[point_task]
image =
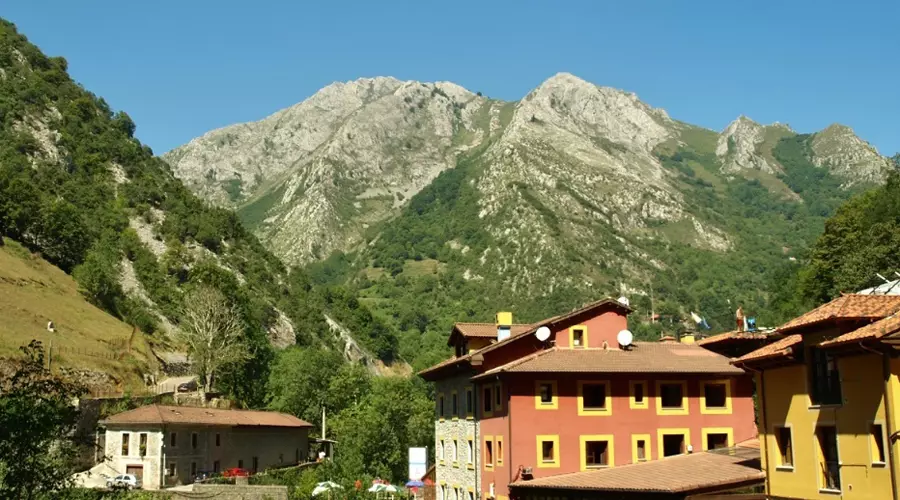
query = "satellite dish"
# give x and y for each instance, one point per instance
(624, 337)
(542, 333)
(624, 301)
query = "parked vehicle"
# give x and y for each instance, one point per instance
(129, 481)
(204, 475)
(235, 472)
(189, 386)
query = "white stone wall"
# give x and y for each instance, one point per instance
(151, 461)
(455, 431)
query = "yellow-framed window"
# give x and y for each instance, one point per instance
(715, 397)
(638, 397)
(594, 398)
(498, 397)
(498, 449)
(548, 451)
(470, 402)
(454, 405)
(546, 395)
(470, 452)
(488, 452)
(440, 406)
(597, 451)
(673, 441)
(442, 450)
(455, 453)
(578, 337)
(672, 397)
(877, 443)
(487, 401)
(715, 438)
(641, 448)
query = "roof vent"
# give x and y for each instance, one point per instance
(668, 338)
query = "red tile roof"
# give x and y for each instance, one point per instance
(776, 349)
(875, 330)
(734, 335)
(530, 330)
(644, 357)
(486, 330)
(736, 466)
(847, 307)
(159, 414)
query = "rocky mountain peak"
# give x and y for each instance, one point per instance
(738, 147)
(840, 150)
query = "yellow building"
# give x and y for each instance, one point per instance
(828, 401)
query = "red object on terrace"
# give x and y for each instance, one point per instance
(235, 472)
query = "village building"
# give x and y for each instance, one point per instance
(828, 392)
(169, 445)
(572, 393)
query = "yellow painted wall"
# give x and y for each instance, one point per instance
(786, 401)
(477, 343)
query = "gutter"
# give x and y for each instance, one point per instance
(765, 426)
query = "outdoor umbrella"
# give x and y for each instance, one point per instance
(415, 483)
(327, 486)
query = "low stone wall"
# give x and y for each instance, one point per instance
(234, 492)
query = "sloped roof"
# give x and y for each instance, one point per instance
(644, 357)
(851, 306)
(486, 330)
(776, 349)
(733, 335)
(875, 330)
(679, 474)
(160, 414)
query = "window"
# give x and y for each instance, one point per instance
(641, 450)
(488, 401)
(785, 446)
(830, 465)
(255, 464)
(441, 492)
(548, 451)
(638, 392)
(240, 464)
(471, 495)
(594, 396)
(441, 406)
(216, 466)
(498, 400)
(470, 452)
(126, 438)
(488, 451)
(441, 450)
(545, 397)
(715, 440)
(193, 469)
(596, 453)
(499, 451)
(173, 439)
(714, 395)
(877, 433)
(454, 452)
(825, 382)
(194, 440)
(470, 406)
(454, 404)
(671, 396)
(142, 446)
(578, 337)
(170, 469)
(673, 444)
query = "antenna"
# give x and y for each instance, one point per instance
(542, 333)
(625, 337)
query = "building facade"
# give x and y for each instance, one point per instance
(828, 391)
(577, 401)
(169, 445)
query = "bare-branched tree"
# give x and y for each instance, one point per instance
(212, 330)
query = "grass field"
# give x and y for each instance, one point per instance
(33, 292)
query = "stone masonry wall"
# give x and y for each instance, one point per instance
(457, 466)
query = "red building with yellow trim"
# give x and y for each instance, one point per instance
(515, 407)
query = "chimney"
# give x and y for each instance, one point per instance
(688, 338)
(504, 324)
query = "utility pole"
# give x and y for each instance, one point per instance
(323, 422)
(50, 357)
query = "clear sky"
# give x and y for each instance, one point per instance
(181, 68)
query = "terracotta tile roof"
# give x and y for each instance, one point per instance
(645, 357)
(776, 349)
(875, 330)
(734, 335)
(736, 466)
(486, 330)
(851, 306)
(530, 330)
(159, 414)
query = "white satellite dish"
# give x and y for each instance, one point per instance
(542, 333)
(624, 301)
(624, 337)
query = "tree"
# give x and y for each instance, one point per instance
(98, 275)
(299, 381)
(38, 442)
(212, 330)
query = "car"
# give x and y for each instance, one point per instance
(235, 472)
(189, 386)
(203, 475)
(129, 481)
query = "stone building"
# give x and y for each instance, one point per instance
(168, 445)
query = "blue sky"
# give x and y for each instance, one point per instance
(183, 68)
